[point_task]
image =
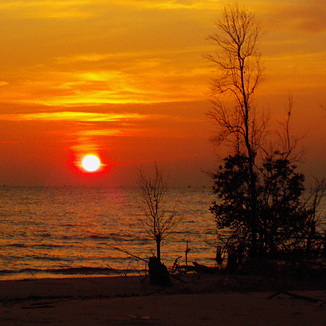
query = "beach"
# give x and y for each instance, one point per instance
(132, 300)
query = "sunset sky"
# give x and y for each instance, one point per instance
(127, 80)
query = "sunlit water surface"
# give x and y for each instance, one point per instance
(70, 231)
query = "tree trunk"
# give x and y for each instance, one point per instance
(158, 247)
(158, 272)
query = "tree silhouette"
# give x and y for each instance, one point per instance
(237, 60)
(158, 219)
(260, 206)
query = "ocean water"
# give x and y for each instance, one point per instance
(75, 231)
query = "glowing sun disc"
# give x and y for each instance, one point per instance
(91, 163)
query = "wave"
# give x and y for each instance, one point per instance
(50, 258)
(54, 228)
(17, 245)
(101, 237)
(70, 271)
(113, 237)
(36, 245)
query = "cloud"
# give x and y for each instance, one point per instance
(72, 116)
(81, 9)
(95, 78)
(61, 9)
(308, 16)
(136, 54)
(169, 4)
(99, 132)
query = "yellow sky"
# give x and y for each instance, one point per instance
(128, 80)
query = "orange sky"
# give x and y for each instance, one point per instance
(127, 80)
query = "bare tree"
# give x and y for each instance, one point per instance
(260, 194)
(237, 60)
(158, 219)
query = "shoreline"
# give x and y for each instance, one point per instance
(198, 300)
(31, 274)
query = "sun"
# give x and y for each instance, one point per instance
(91, 163)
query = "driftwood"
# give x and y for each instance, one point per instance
(185, 269)
(295, 296)
(205, 269)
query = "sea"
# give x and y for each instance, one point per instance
(90, 231)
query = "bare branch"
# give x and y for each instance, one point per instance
(157, 221)
(287, 142)
(127, 252)
(237, 60)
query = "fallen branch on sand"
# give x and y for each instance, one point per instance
(295, 296)
(205, 269)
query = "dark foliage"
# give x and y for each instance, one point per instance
(260, 209)
(281, 218)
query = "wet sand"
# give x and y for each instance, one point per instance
(205, 300)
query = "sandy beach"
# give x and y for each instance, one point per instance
(204, 300)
